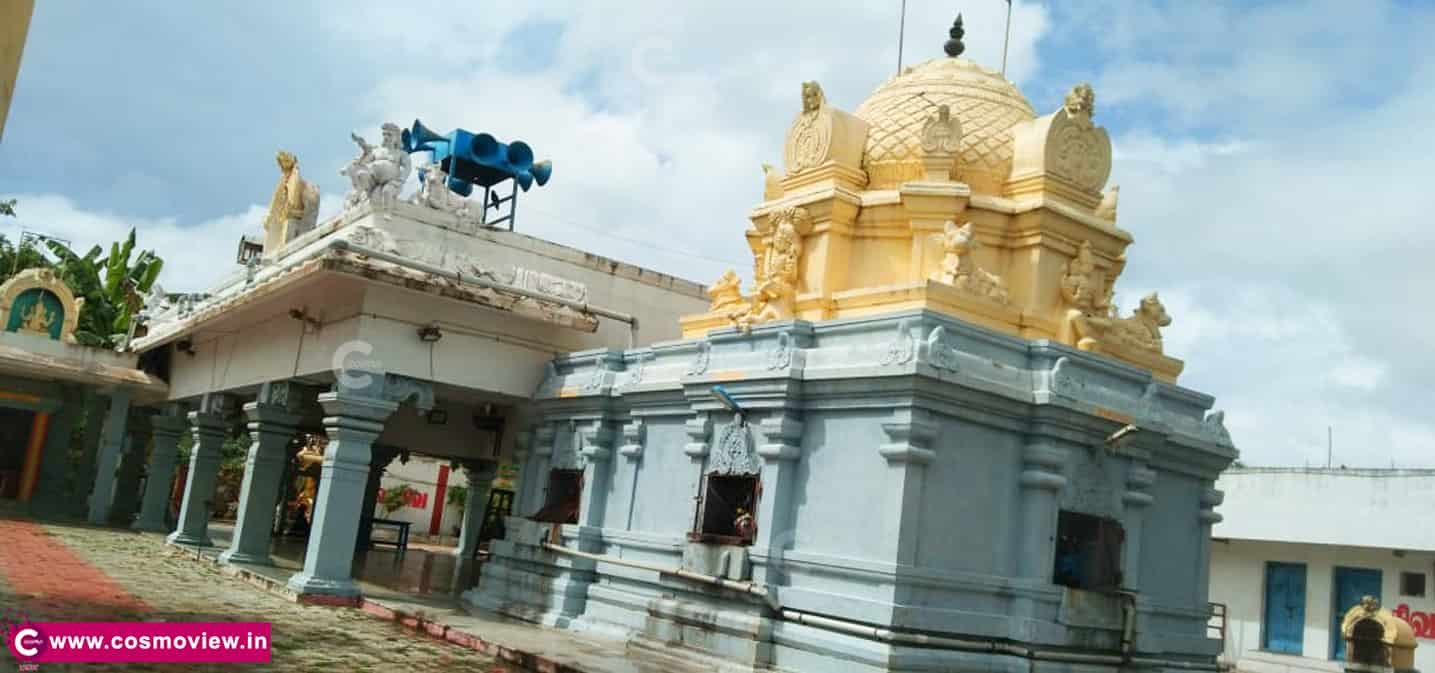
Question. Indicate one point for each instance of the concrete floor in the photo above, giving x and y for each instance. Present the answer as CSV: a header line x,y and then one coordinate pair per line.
x,y
427,581
422,570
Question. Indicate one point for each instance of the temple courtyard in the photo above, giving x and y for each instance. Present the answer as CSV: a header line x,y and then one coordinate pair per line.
x,y
72,572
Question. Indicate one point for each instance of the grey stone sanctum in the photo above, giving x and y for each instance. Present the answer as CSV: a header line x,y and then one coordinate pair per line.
x,y
921,484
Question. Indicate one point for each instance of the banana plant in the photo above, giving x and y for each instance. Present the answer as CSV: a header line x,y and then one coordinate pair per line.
x,y
113,287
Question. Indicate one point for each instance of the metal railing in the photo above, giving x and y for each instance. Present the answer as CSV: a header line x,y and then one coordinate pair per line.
x,y
1216,624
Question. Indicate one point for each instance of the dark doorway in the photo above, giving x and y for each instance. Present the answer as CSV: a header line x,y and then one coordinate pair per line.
x,y
1088,552
565,496
726,514
15,426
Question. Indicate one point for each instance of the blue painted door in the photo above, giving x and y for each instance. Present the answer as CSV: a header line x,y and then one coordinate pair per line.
x,y
1351,584
1285,607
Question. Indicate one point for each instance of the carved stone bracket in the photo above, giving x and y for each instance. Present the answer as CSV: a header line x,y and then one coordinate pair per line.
x,y
398,388
782,438
910,434
633,435
702,359
595,440
1139,480
902,348
699,429
936,352
1210,498
1043,467
1064,380
785,353
636,371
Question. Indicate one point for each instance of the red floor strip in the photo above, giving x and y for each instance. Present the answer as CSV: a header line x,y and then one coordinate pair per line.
x,y
54,581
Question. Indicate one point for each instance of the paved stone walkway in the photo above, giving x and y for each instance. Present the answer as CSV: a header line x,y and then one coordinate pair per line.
x,y
76,573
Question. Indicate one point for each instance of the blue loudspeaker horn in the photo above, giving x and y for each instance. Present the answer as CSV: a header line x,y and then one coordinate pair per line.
x,y
541,172
478,158
486,149
420,138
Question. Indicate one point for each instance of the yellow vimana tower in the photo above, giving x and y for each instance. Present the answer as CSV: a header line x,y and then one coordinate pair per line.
x,y
945,191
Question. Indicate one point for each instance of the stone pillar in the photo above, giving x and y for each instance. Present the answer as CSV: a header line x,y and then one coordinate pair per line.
x,y
93,414
353,420
596,438
51,496
1041,482
154,510
126,502
699,429
286,491
1135,500
380,457
780,449
480,478
534,478
907,454
209,431
1208,517
270,429
107,458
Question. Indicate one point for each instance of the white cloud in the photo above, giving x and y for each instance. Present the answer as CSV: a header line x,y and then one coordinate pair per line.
x,y
195,254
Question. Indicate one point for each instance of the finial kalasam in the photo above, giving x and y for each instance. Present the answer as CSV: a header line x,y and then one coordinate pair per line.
x,y
954,46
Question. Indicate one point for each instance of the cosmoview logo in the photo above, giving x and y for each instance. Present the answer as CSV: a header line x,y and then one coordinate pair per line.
x,y
352,364
28,642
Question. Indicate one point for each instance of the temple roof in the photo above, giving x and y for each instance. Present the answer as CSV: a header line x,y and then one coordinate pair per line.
x,y
985,104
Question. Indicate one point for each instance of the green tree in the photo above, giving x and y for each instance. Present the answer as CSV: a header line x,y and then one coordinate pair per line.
x,y
396,499
112,287
17,258
7,207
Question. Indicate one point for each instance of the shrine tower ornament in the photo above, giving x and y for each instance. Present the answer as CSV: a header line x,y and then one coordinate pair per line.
x,y
945,190
37,302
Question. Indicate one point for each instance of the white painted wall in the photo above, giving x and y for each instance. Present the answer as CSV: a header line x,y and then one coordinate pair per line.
x,y
421,474
1358,508
1238,581
1323,519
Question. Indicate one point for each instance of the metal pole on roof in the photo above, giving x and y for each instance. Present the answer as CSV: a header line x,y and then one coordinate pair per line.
x,y
1329,445
1006,40
901,33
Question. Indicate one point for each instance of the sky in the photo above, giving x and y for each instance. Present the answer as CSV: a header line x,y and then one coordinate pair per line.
x,y
1274,157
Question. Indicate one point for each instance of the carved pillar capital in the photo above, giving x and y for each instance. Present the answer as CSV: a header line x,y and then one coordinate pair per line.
x,y
782,437
699,430
596,437
1139,480
634,432
1042,464
1210,498
910,433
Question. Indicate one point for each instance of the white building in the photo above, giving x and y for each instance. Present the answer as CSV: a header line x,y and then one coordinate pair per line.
x,y
1298,547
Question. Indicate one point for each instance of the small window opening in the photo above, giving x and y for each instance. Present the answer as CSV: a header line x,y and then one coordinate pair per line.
x,y
726,514
565,493
1412,584
1088,552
